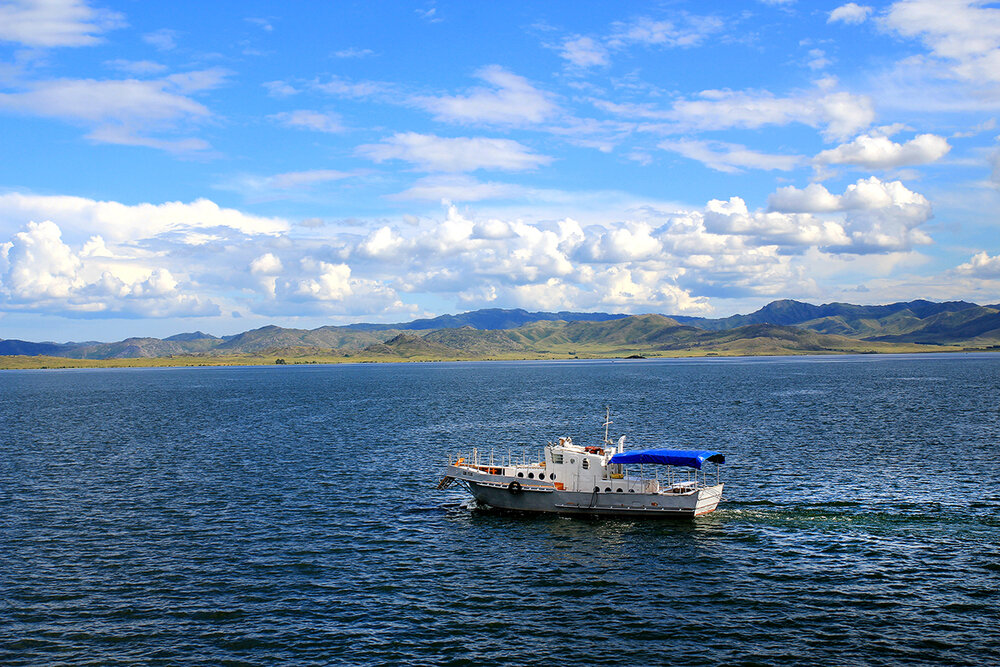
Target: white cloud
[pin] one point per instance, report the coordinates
(879, 152)
(280, 89)
(963, 32)
(772, 228)
(49, 23)
(121, 222)
(839, 114)
(353, 52)
(511, 100)
(263, 24)
(584, 52)
(42, 273)
(266, 265)
(458, 188)
(684, 31)
(981, 265)
(433, 153)
(136, 67)
(340, 87)
(310, 120)
(851, 13)
(40, 265)
(301, 179)
(121, 111)
(163, 39)
(879, 216)
(817, 59)
(730, 158)
(813, 198)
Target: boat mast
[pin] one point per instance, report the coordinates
(607, 423)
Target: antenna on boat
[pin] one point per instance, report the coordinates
(607, 423)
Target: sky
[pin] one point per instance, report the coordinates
(171, 167)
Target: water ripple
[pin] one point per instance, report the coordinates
(287, 515)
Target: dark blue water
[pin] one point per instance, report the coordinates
(287, 515)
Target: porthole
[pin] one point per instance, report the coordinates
(618, 490)
(596, 489)
(531, 475)
(572, 460)
(520, 474)
(631, 490)
(607, 489)
(552, 476)
(541, 475)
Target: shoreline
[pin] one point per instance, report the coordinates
(24, 362)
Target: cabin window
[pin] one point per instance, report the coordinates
(520, 474)
(596, 489)
(586, 463)
(531, 475)
(631, 490)
(607, 489)
(552, 476)
(541, 475)
(557, 458)
(618, 490)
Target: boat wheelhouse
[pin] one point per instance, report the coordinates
(600, 480)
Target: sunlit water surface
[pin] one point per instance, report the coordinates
(288, 515)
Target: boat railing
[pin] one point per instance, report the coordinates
(675, 479)
(509, 459)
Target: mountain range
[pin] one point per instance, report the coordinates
(781, 327)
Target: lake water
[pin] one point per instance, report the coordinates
(287, 514)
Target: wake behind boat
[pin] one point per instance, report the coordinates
(594, 480)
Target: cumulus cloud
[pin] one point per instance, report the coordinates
(266, 265)
(771, 228)
(879, 216)
(510, 100)
(50, 23)
(42, 273)
(813, 198)
(879, 152)
(121, 222)
(851, 13)
(981, 265)
(730, 158)
(433, 153)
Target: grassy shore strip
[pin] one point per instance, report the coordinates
(269, 359)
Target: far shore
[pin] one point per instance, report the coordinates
(15, 362)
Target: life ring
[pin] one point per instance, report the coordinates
(514, 487)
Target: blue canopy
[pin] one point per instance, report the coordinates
(669, 457)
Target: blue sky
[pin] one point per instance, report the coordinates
(219, 166)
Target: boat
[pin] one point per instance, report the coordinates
(603, 480)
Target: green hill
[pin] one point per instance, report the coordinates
(781, 327)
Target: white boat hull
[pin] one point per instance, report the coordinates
(495, 491)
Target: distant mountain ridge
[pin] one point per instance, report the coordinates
(781, 325)
(488, 318)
